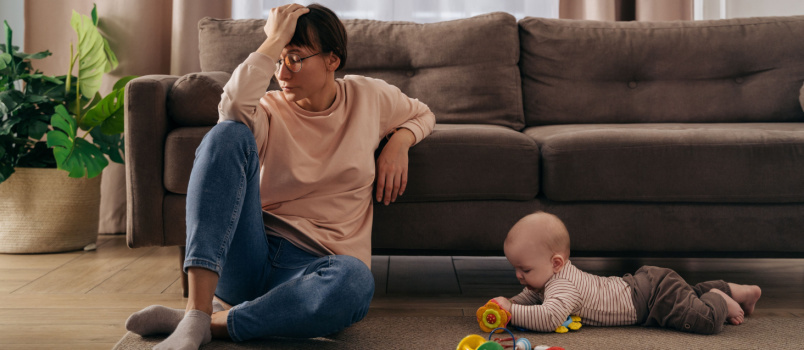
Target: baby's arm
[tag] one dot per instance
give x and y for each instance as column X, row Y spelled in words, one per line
column 560, row 300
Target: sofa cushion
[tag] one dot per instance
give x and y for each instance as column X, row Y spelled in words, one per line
column 472, row 78
column 736, row 70
column 194, row 98
column 180, row 148
column 456, row 162
column 728, row 163
column 473, row 162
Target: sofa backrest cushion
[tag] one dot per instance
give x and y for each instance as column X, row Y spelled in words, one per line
column 737, row 70
column 465, row 70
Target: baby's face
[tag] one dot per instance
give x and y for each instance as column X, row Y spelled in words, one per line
column 533, row 266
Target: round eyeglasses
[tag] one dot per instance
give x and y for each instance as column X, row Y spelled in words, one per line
column 293, row 62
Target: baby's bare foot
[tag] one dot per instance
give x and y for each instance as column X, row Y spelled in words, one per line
column 746, row 295
column 736, row 313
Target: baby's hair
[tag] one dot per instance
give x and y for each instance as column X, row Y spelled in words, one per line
column 558, row 239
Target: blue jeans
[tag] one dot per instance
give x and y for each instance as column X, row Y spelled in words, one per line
column 277, row 288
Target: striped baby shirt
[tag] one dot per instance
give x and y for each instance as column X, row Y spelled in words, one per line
column 599, row 301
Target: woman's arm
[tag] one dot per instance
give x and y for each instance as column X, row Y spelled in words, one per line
column 392, row 166
column 241, row 96
column 279, row 29
column 407, row 121
column 410, row 121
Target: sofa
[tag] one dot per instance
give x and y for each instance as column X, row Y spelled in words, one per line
column 646, row 138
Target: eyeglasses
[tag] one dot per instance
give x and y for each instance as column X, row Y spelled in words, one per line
column 293, row 62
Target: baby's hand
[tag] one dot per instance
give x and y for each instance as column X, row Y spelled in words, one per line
column 504, row 303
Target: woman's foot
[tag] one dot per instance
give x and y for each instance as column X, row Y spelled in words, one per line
column 746, row 295
column 155, row 319
column 192, row 332
column 736, row 314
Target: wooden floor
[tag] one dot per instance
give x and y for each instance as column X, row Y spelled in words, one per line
column 80, row 300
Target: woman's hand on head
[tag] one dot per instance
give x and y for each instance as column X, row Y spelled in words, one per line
column 281, row 23
column 392, row 166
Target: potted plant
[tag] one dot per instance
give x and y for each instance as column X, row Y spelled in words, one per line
column 46, row 209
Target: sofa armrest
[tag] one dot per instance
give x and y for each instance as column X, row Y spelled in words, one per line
column 146, row 127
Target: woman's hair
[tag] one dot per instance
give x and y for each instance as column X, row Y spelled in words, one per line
column 321, row 29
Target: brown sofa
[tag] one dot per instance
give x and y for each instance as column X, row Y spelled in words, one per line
column 665, row 138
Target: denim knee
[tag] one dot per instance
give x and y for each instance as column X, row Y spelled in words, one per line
column 228, row 134
column 350, row 286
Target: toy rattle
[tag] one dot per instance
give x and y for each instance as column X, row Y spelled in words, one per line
column 492, row 316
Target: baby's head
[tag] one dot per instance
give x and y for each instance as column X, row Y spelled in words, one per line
column 537, row 246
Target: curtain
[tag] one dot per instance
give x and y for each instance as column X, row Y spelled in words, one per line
column 627, row 10
column 148, row 37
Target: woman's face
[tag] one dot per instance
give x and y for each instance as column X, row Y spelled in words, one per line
column 309, row 81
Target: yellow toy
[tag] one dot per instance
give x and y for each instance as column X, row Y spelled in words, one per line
column 476, row 342
column 572, row 323
column 491, row 316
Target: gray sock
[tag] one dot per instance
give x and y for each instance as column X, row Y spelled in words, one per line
column 155, row 319
column 158, row 319
column 192, row 332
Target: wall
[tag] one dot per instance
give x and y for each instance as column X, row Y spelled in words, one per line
column 13, row 11
column 721, row 9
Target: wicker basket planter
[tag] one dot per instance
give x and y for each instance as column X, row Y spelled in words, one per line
column 45, row 211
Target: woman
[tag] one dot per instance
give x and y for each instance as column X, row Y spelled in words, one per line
column 279, row 209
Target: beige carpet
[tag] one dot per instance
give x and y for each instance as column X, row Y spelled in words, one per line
column 778, row 331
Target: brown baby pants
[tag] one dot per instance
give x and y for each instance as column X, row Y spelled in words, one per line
column 662, row 298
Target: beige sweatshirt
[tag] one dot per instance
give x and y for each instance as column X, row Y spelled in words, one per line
column 600, row 301
column 319, row 166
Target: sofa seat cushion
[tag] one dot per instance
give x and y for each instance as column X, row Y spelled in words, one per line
column 728, row 163
column 473, row 162
column 456, row 162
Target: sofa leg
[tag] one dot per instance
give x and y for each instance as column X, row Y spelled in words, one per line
column 184, row 289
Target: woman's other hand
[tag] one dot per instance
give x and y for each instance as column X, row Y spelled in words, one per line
column 392, row 166
column 279, row 28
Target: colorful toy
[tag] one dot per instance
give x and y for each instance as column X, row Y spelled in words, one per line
column 492, row 316
column 476, row 342
column 572, row 323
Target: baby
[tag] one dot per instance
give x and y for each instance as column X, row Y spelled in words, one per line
column 538, row 247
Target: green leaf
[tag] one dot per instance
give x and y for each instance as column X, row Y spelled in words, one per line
column 112, row 63
column 94, row 14
column 5, row 60
column 64, row 122
column 121, row 84
column 10, row 100
column 33, row 98
column 7, row 28
column 110, row 106
column 37, row 129
column 93, row 60
column 32, row 56
column 112, row 145
column 109, row 112
column 75, row 155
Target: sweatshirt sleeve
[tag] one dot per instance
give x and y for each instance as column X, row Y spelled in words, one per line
column 241, row 96
column 408, row 113
column 561, row 298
